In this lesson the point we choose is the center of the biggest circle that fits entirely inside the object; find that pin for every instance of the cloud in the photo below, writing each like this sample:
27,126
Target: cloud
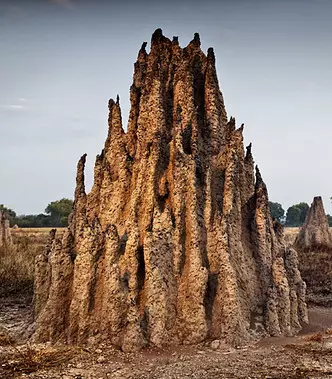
68,4
17,105
11,106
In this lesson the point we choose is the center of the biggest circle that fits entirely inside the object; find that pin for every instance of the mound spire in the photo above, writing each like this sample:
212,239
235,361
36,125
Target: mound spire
315,233
5,234
314,245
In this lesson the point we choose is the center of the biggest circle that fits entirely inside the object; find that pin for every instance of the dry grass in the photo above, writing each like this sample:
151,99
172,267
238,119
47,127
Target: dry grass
16,269
34,231
291,234
17,262
30,359
317,337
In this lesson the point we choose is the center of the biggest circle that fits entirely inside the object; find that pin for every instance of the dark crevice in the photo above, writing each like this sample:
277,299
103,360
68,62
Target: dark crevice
125,280
173,219
218,182
122,243
144,324
162,198
183,240
73,255
199,99
162,202
199,172
92,289
140,268
186,139
148,147
210,294
178,115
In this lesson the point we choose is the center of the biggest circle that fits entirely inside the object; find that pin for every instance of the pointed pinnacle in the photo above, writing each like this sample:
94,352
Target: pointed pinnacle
157,35
259,179
196,38
143,47
210,55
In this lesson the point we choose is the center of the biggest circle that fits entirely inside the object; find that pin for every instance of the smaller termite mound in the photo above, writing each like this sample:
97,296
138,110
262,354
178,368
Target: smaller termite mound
314,247
315,233
5,234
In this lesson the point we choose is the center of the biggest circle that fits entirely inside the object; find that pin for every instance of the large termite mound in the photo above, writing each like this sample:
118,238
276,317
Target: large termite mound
174,243
314,245
5,234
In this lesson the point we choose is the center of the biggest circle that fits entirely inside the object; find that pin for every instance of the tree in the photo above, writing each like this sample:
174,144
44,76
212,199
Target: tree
329,219
10,214
277,211
296,214
34,221
59,211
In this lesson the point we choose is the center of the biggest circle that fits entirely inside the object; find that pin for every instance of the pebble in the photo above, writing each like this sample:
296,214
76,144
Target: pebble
101,359
215,344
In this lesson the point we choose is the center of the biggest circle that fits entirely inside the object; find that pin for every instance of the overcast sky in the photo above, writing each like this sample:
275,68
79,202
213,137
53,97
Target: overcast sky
62,60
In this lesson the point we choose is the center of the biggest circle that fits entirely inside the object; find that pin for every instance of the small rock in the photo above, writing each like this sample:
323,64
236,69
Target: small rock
215,344
98,351
101,359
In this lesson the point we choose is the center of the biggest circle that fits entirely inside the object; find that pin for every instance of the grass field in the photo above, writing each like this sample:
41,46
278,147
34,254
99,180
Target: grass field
17,262
25,231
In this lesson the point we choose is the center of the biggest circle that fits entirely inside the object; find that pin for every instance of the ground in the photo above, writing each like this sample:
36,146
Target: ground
308,355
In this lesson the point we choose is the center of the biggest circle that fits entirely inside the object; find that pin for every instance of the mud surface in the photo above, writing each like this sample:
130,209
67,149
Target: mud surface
308,355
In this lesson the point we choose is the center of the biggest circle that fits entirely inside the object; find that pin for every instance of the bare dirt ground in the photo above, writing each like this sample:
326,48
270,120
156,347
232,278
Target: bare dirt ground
308,355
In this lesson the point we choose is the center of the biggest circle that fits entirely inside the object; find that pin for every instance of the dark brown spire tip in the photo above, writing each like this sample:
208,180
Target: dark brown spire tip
157,36
241,128
175,40
83,158
248,148
210,55
117,99
259,180
110,104
248,156
196,40
143,47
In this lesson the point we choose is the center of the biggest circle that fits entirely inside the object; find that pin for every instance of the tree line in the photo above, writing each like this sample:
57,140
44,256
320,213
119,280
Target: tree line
57,212
295,215
56,215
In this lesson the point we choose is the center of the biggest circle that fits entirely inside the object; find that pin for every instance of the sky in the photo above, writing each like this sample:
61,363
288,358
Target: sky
61,61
